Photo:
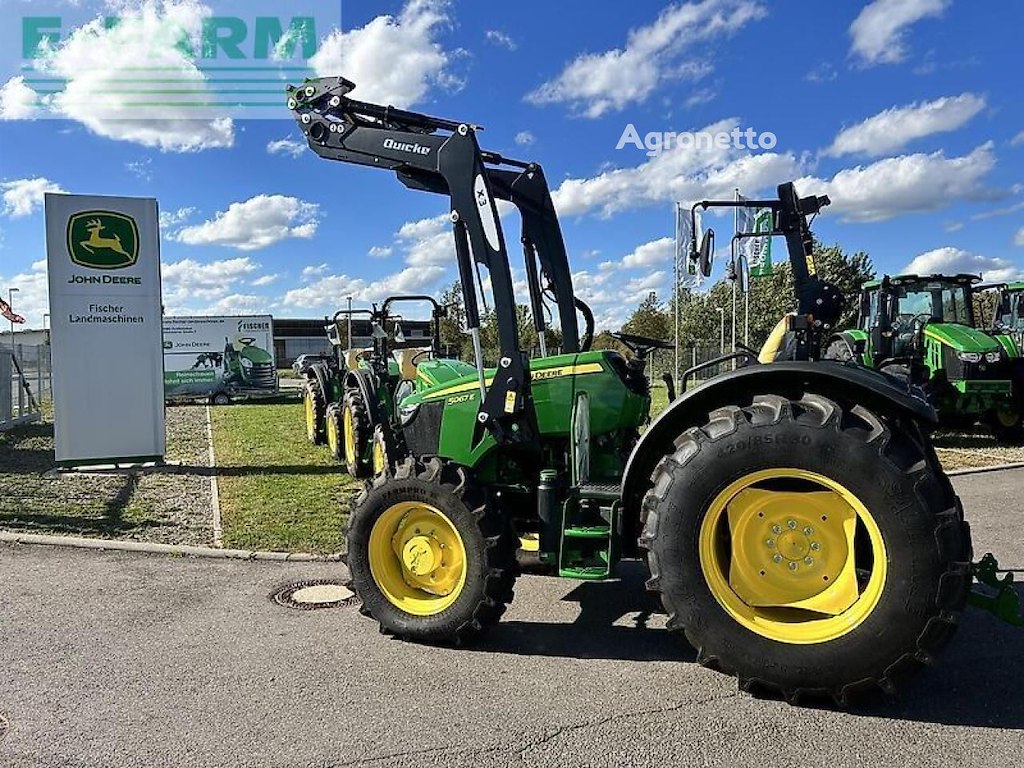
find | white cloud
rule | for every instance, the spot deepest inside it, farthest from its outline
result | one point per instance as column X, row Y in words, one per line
column 904, row 184
column 525, row 138
column 17, row 100
column 141, row 169
column 171, row 219
column 878, row 31
column 655, row 252
column 380, row 251
column 32, row 298
column 822, row 73
column 286, row 147
column 951, row 260
column 313, row 271
column 1008, row 210
column 681, row 173
column 256, row 223
column 596, row 83
column 1018, row 239
column 95, row 59
column 188, row 279
column 391, row 60
column 325, row 292
column 700, row 96
column 896, row 127
column 500, row 38
column 427, row 242
column 23, row 196
column 1017, row 140
column 259, row 282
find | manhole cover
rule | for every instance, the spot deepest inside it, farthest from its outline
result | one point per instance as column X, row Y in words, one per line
column 310, row 595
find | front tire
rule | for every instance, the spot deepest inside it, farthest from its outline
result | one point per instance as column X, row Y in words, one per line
column 805, row 548
column 314, row 408
column 430, row 558
column 334, row 429
column 1007, row 424
column 356, row 432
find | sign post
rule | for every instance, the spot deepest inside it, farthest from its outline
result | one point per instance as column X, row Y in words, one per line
column 103, row 258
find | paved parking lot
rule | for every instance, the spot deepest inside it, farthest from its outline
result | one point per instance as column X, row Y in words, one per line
column 139, row 660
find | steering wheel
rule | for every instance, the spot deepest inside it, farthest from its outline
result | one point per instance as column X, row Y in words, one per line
column 641, row 346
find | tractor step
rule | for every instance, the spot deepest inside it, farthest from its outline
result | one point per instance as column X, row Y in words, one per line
column 589, row 546
column 588, row 532
column 601, row 492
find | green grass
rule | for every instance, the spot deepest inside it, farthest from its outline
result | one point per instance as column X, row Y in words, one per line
column 659, row 399
column 277, row 492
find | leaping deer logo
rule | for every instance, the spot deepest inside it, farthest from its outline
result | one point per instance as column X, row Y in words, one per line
column 95, row 241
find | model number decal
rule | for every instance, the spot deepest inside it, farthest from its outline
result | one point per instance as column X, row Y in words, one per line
column 755, row 441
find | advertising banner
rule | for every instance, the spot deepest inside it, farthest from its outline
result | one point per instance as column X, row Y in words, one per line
column 206, row 357
column 103, row 259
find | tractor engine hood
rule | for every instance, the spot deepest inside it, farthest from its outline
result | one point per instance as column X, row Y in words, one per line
column 961, row 338
column 255, row 355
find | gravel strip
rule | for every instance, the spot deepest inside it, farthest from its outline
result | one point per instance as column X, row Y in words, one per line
column 965, row 450
column 165, row 505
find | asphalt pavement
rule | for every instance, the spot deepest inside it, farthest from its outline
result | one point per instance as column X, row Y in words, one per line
column 119, row 659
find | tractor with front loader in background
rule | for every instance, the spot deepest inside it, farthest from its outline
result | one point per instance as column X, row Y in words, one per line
column 921, row 329
column 797, row 524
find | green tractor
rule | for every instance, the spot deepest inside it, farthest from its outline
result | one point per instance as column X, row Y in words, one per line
column 1007, row 327
column 352, row 405
column 794, row 516
column 921, row 329
column 247, row 369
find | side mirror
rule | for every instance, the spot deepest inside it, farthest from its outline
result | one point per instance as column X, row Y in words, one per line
column 707, row 246
column 399, row 336
column 378, row 332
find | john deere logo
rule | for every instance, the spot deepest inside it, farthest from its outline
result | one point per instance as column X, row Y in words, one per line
column 103, row 240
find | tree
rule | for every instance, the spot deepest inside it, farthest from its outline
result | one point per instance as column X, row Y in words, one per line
column 770, row 298
column 649, row 319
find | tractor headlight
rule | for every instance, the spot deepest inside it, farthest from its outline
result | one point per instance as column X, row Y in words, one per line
column 247, row 363
column 969, row 357
column 992, row 357
column 407, row 413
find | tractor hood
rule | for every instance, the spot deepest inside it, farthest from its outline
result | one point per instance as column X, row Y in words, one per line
column 961, row 338
column 433, row 372
column 255, row 355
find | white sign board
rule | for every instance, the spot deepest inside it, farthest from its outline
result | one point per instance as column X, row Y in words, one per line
column 216, row 355
column 103, row 258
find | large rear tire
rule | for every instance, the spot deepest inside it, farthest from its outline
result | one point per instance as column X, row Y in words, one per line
column 430, row 559
column 314, row 408
column 356, row 434
column 807, row 549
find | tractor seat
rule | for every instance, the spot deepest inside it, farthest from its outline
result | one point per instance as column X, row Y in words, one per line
column 408, row 360
column 353, row 356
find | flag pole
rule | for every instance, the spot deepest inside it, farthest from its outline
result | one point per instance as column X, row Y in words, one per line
column 735, row 231
column 675, row 290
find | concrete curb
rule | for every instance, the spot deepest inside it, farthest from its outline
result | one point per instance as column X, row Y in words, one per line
column 183, row 550
column 979, row 470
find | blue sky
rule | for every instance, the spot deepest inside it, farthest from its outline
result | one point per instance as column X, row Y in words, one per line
column 906, row 112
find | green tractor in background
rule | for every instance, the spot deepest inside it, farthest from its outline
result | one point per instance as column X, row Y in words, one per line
column 797, row 524
column 351, row 405
column 1007, row 327
column 921, row 329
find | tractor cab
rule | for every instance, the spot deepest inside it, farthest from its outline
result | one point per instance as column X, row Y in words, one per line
column 1009, row 311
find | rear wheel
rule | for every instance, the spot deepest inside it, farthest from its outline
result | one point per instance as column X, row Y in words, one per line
column 334, row 429
column 807, row 549
column 430, row 559
column 314, row 409
column 1007, row 424
column 356, row 430
column 221, row 398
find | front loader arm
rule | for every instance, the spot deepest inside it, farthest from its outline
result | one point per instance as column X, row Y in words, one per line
column 343, row 129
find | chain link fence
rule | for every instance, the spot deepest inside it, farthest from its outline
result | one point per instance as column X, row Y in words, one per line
column 25, row 383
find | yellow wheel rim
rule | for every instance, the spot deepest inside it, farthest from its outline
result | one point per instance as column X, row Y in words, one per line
column 310, row 416
column 332, row 433
column 380, row 462
column 417, row 558
column 1008, row 418
column 350, row 436
column 793, row 556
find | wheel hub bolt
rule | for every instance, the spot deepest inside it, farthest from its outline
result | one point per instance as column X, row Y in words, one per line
column 808, row 531
column 770, row 543
column 776, row 529
column 793, row 566
column 777, row 559
column 809, row 561
column 791, row 524
column 815, row 546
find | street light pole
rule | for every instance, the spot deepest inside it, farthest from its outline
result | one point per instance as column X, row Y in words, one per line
column 721, row 341
column 10, row 303
column 350, row 345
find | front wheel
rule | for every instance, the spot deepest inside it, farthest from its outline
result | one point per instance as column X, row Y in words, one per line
column 1007, row 424
column 807, row 548
column 356, row 429
column 430, row 558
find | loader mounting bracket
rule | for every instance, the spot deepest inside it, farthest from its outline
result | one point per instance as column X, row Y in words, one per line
column 999, row 595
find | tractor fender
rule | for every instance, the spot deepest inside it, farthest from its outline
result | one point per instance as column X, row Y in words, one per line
column 839, row 381
column 847, row 339
column 365, row 381
column 319, row 372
